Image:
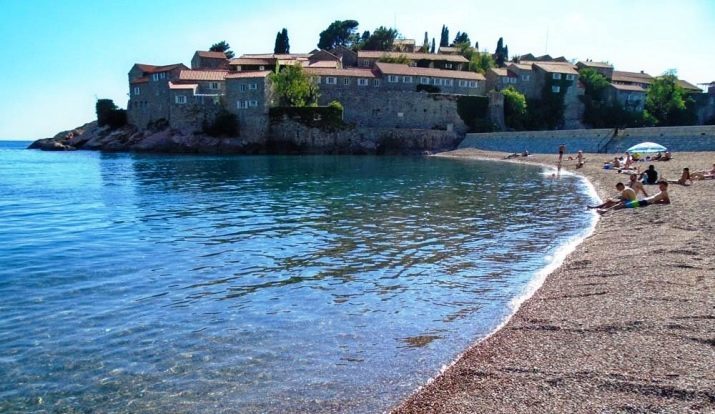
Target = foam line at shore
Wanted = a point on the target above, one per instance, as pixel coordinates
(557, 259)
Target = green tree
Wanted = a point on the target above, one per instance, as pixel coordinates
(292, 86)
(667, 103)
(594, 82)
(515, 109)
(461, 38)
(501, 54)
(339, 33)
(381, 39)
(108, 114)
(444, 37)
(481, 62)
(432, 49)
(224, 47)
(425, 44)
(282, 42)
(401, 59)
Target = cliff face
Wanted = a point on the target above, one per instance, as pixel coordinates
(129, 138)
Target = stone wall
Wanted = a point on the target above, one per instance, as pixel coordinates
(690, 138)
(288, 136)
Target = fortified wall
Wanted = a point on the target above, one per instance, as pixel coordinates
(686, 138)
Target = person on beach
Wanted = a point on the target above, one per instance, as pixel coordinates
(702, 175)
(636, 185)
(579, 158)
(625, 194)
(666, 157)
(684, 178)
(649, 176)
(616, 162)
(562, 149)
(659, 198)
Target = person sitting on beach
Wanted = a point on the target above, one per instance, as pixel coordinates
(702, 175)
(616, 162)
(649, 176)
(626, 194)
(579, 157)
(659, 198)
(636, 185)
(666, 157)
(657, 157)
(684, 178)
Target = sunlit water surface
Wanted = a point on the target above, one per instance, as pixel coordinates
(145, 283)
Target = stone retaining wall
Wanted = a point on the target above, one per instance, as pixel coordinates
(689, 138)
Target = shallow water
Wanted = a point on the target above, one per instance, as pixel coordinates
(146, 283)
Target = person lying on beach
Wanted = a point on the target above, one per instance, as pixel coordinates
(510, 156)
(684, 178)
(659, 198)
(657, 157)
(636, 185)
(666, 157)
(703, 175)
(626, 194)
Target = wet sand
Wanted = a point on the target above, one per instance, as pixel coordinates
(626, 324)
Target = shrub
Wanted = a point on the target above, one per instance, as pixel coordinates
(108, 114)
(474, 111)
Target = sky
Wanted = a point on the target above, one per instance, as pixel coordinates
(60, 56)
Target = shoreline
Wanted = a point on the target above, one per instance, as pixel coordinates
(596, 335)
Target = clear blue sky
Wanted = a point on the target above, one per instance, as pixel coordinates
(58, 56)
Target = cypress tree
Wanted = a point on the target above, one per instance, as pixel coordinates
(433, 48)
(425, 44)
(444, 38)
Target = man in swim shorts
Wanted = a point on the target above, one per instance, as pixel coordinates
(626, 194)
(659, 198)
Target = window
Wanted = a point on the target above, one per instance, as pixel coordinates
(424, 80)
(162, 75)
(376, 82)
(412, 64)
(436, 81)
(462, 83)
(253, 104)
(448, 66)
(362, 82)
(407, 79)
(555, 89)
(346, 81)
(448, 82)
(393, 78)
(213, 85)
(556, 76)
(180, 99)
(513, 80)
(365, 63)
(242, 87)
(505, 79)
(570, 77)
(525, 78)
(261, 67)
(242, 104)
(253, 86)
(331, 80)
(472, 84)
(137, 90)
(155, 77)
(238, 68)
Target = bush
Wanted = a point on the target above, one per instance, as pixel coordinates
(474, 111)
(225, 124)
(108, 114)
(337, 105)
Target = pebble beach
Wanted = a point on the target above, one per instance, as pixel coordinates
(626, 324)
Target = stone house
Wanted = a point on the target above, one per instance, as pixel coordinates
(630, 97)
(348, 57)
(499, 78)
(368, 58)
(323, 58)
(448, 50)
(641, 78)
(525, 82)
(248, 95)
(404, 45)
(561, 78)
(604, 68)
(209, 60)
(149, 92)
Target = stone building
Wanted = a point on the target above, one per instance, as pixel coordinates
(641, 78)
(368, 58)
(630, 97)
(248, 95)
(209, 60)
(562, 78)
(149, 92)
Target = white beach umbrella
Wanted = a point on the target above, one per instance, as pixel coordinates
(646, 148)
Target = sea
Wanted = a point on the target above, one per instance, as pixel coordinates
(267, 284)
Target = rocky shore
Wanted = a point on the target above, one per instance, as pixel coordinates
(128, 138)
(626, 324)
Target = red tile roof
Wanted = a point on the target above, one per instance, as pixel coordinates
(248, 75)
(211, 55)
(353, 73)
(556, 67)
(398, 69)
(522, 66)
(688, 86)
(500, 71)
(631, 77)
(191, 86)
(632, 88)
(143, 79)
(591, 64)
(376, 54)
(252, 61)
(324, 64)
(202, 75)
(157, 69)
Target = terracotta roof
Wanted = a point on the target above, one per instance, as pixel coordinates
(448, 49)
(376, 54)
(353, 73)
(187, 86)
(398, 69)
(252, 61)
(522, 66)
(248, 75)
(500, 71)
(139, 80)
(632, 77)
(554, 67)
(324, 64)
(632, 88)
(202, 75)
(404, 42)
(211, 55)
(275, 56)
(591, 64)
(157, 69)
(688, 86)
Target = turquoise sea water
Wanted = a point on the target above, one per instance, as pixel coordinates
(149, 283)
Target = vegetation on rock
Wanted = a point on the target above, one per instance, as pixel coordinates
(292, 86)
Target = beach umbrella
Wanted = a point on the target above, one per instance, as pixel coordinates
(646, 148)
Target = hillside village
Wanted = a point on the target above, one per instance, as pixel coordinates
(423, 93)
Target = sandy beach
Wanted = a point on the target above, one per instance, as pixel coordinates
(626, 324)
